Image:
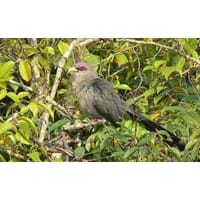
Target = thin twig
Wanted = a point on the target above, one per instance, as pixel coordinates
(161, 46)
(139, 72)
(21, 85)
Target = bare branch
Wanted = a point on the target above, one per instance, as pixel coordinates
(21, 85)
(81, 125)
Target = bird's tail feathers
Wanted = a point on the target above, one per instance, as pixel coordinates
(173, 141)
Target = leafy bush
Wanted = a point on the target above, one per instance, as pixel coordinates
(159, 77)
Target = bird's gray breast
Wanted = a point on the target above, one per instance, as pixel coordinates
(97, 98)
(86, 99)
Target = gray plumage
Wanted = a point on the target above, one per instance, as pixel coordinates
(97, 98)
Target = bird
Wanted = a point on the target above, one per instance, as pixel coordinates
(97, 98)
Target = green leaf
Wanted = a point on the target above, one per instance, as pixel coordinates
(30, 51)
(33, 108)
(31, 124)
(3, 93)
(167, 71)
(13, 96)
(6, 126)
(190, 144)
(46, 108)
(121, 59)
(191, 118)
(159, 63)
(35, 156)
(6, 71)
(24, 128)
(130, 152)
(21, 138)
(179, 66)
(79, 152)
(149, 92)
(57, 125)
(122, 87)
(25, 70)
(49, 50)
(62, 46)
(92, 59)
(24, 110)
(189, 47)
(159, 89)
(149, 67)
(21, 95)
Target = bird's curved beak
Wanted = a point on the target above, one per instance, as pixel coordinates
(72, 70)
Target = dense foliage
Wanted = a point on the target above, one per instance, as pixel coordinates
(158, 77)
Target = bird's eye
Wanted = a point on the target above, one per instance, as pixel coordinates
(82, 68)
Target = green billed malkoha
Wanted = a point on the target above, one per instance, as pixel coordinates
(98, 99)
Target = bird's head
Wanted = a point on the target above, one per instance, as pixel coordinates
(82, 71)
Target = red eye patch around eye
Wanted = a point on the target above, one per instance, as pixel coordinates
(82, 68)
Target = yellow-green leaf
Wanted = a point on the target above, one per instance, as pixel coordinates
(92, 59)
(21, 138)
(179, 66)
(49, 50)
(34, 108)
(149, 93)
(159, 63)
(3, 93)
(24, 128)
(31, 124)
(190, 144)
(46, 108)
(35, 156)
(21, 95)
(121, 59)
(167, 71)
(62, 46)
(24, 110)
(123, 87)
(6, 126)
(25, 70)
(6, 71)
(13, 96)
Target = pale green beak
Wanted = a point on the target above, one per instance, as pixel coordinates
(72, 70)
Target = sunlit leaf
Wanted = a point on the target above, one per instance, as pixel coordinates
(179, 66)
(159, 63)
(31, 124)
(3, 93)
(121, 59)
(122, 87)
(21, 95)
(6, 71)
(21, 138)
(33, 108)
(49, 50)
(6, 126)
(46, 108)
(25, 70)
(35, 156)
(167, 71)
(13, 96)
(62, 46)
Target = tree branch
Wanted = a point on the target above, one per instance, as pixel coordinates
(73, 44)
(161, 46)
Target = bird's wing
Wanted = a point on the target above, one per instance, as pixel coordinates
(106, 102)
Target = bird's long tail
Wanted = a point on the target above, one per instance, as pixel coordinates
(173, 140)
